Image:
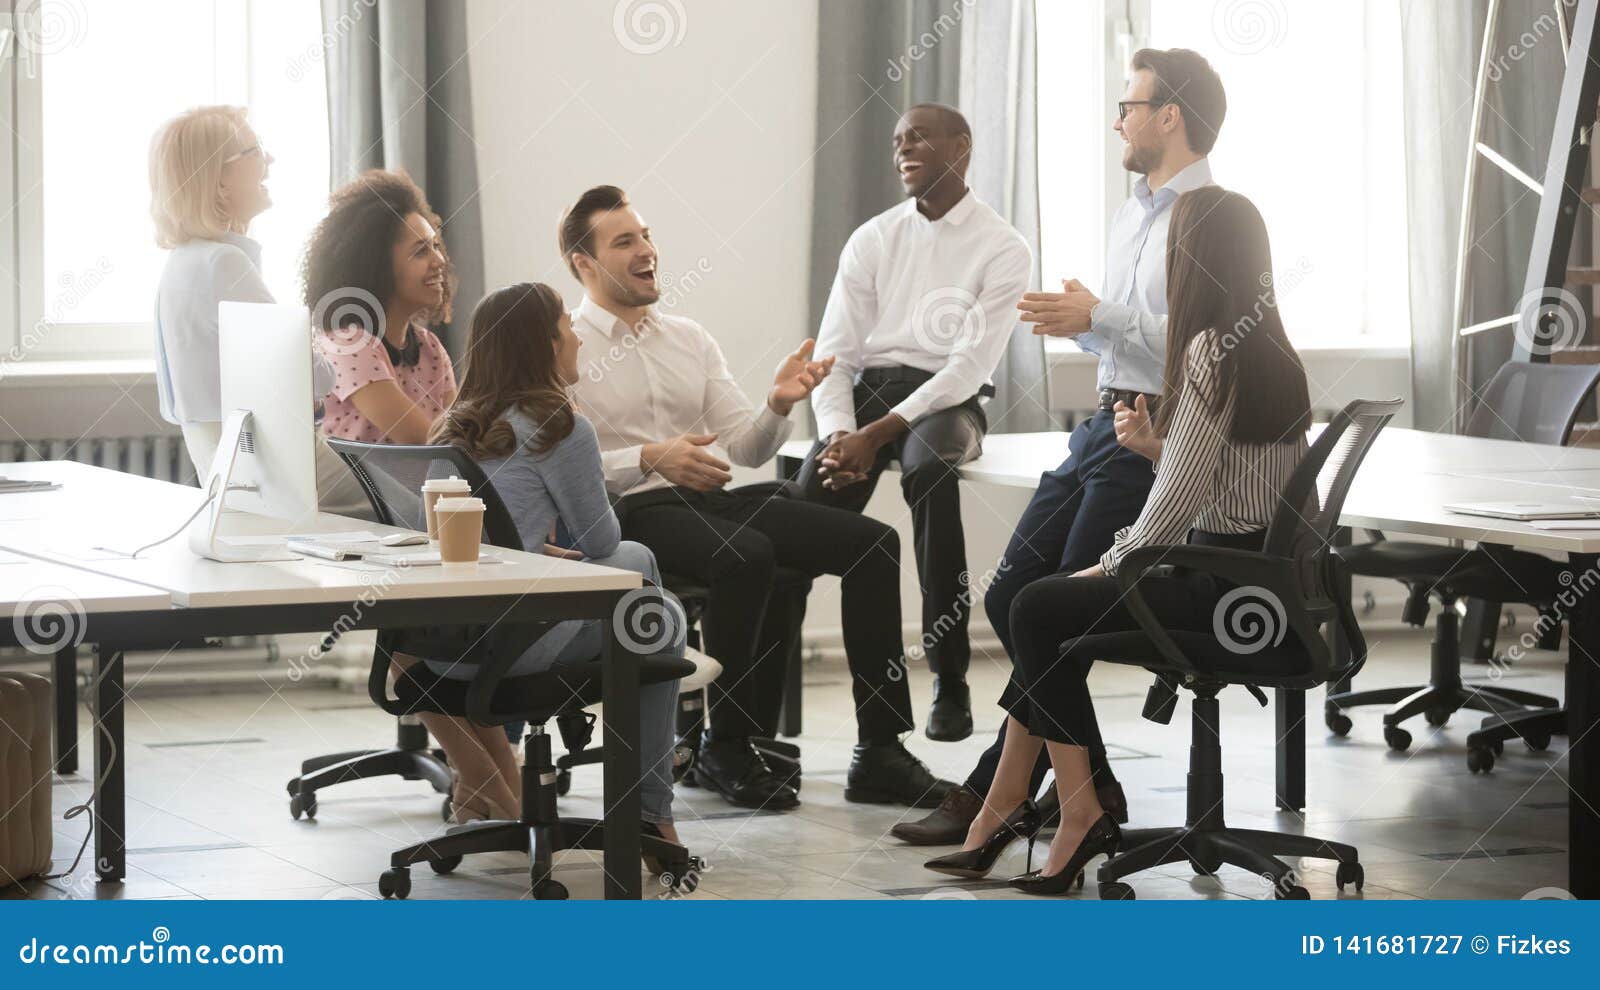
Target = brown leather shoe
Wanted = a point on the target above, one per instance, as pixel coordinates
(945, 825)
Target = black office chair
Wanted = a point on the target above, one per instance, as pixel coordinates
(1534, 403)
(1298, 584)
(391, 475)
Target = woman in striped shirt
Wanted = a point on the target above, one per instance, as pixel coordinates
(1229, 429)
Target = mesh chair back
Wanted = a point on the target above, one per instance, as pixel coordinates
(1308, 510)
(1534, 403)
(392, 476)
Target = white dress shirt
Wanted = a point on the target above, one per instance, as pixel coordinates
(1128, 329)
(938, 295)
(665, 377)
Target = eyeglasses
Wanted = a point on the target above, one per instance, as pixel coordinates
(254, 149)
(1123, 105)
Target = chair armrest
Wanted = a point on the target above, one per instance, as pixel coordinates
(1242, 567)
(505, 646)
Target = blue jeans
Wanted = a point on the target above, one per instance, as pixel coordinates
(578, 641)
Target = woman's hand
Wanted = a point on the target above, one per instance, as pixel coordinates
(1095, 571)
(551, 550)
(1134, 430)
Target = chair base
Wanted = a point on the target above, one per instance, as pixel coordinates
(541, 834)
(1207, 842)
(410, 758)
(1440, 698)
(1208, 849)
(1534, 728)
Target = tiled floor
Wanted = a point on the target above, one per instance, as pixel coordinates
(208, 816)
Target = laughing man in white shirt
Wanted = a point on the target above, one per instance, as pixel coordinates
(668, 411)
(921, 311)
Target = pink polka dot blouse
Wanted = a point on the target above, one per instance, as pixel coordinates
(359, 359)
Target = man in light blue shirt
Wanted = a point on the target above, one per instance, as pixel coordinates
(1168, 119)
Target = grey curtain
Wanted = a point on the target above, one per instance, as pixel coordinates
(1442, 44)
(399, 98)
(999, 92)
(880, 57)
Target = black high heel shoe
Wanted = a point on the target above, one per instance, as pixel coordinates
(974, 864)
(1104, 836)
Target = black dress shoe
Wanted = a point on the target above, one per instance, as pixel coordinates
(1103, 837)
(946, 825)
(950, 718)
(734, 769)
(974, 864)
(887, 773)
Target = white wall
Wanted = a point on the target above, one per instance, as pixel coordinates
(711, 137)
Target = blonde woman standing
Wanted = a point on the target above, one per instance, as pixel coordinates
(208, 175)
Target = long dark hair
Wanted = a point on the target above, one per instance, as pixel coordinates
(511, 364)
(1219, 282)
(349, 260)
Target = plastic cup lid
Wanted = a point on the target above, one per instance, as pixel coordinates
(458, 504)
(450, 484)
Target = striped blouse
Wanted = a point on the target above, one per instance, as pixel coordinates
(1204, 480)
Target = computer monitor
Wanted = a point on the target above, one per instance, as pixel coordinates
(266, 460)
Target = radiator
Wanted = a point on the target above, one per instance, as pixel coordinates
(159, 456)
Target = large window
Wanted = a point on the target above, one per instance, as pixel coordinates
(1313, 136)
(93, 79)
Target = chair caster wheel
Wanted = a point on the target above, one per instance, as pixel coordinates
(1537, 744)
(563, 782)
(1349, 873)
(447, 810)
(1398, 739)
(1079, 883)
(1206, 869)
(1499, 747)
(293, 787)
(1338, 723)
(1116, 891)
(303, 804)
(445, 865)
(1480, 759)
(684, 882)
(1293, 892)
(395, 883)
(1436, 717)
(549, 890)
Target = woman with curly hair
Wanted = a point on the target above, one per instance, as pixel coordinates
(376, 277)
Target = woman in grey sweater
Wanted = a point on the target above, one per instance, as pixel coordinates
(514, 417)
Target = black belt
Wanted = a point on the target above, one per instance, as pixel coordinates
(1109, 397)
(899, 373)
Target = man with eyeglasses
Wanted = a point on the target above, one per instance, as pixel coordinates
(1168, 120)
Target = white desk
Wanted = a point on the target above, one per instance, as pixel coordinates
(97, 507)
(1404, 484)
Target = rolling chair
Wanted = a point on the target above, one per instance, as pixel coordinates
(1533, 403)
(391, 476)
(1297, 582)
(412, 757)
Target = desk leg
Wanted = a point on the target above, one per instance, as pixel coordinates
(622, 767)
(1583, 718)
(64, 677)
(110, 807)
(1289, 718)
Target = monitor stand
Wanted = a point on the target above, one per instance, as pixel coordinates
(204, 539)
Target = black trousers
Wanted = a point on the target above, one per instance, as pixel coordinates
(928, 454)
(1049, 691)
(1070, 521)
(733, 542)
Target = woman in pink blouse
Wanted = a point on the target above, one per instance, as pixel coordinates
(376, 275)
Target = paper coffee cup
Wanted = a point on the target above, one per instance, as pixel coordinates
(460, 528)
(435, 488)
